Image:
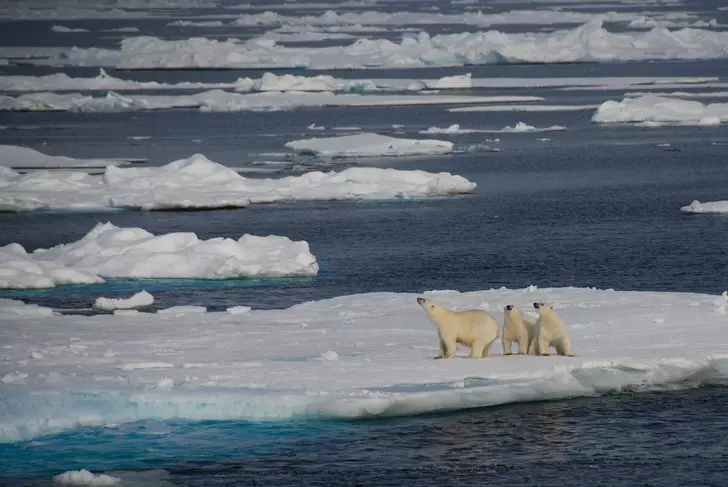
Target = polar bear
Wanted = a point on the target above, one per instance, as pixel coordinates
(549, 330)
(476, 329)
(517, 327)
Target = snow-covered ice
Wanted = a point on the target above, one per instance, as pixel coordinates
(326, 359)
(197, 182)
(658, 109)
(369, 145)
(138, 300)
(223, 101)
(13, 156)
(110, 251)
(587, 43)
(20, 270)
(707, 207)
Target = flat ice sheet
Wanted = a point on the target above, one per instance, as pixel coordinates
(369, 145)
(357, 356)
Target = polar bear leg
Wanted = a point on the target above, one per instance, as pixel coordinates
(443, 349)
(543, 347)
(563, 347)
(450, 347)
(507, 346)
(533, 347)
(523, 344)
(478, 348)
(486, 349)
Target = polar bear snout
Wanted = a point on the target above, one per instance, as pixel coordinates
(421, 301)
(509, 307)
(537, 305)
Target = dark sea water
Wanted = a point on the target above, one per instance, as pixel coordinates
(671, 438)
(591, 206)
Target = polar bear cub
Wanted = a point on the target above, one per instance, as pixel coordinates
(517, 328)
(476, 329)
(549, 330)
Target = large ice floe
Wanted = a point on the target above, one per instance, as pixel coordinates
(108, 251)
(657, 110)
(720, 207)
(586, 43)
(224, 101)
(14, 156)
(359, 356)
(369, 145)
(197, 183)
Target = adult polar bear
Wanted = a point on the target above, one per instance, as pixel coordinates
(517, 328)
(549, 330)
(473, 328)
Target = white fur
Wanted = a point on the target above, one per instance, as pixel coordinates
(549, 331)
(517, 328)
(476, 329)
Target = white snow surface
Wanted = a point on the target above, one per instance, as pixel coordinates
(586, 43)
(369, 145)
(197, 182)
(138, 300)
(111, 251)
(14, 156)
(659, 109)
(85, 478)
(223, 101)
(707, 207)
(358, 356)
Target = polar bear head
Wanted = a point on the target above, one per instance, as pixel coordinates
(433, 309)
(542, 306)
(511, 310)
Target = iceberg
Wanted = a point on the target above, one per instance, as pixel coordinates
(197, 183)
(369, 145)
(325, 359)
(696, 206)
(108, 251)
(658, 109)
(14, 156)
(590, 42)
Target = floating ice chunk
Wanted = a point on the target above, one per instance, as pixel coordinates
(369, 145)
(13, 156)
(63, 28)
(197, 182)
(454, 82)
(651, 108)
(707, 207)
(138, 300)
(524, 127)
(85, 478)
(111, 251)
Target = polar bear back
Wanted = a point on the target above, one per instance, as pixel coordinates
(549, 326)
(465, 327)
